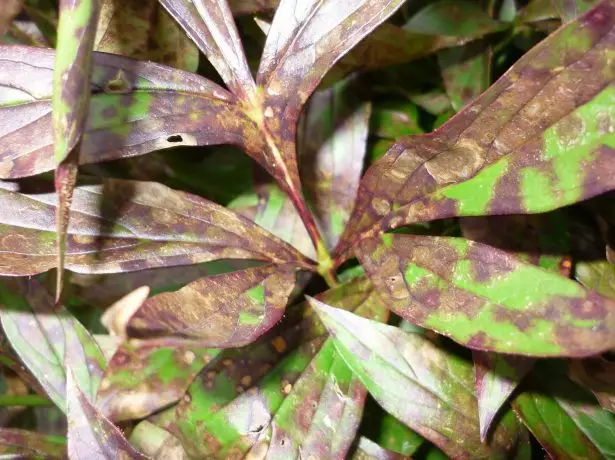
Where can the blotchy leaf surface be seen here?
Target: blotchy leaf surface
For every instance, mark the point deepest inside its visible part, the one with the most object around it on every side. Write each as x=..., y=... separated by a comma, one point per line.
x=137, y=107
x=485, y=298
x=120, y=226
x=223, y=311
x=506, y=153
x=286, y=392
x=142, y=29
x=146, y=375
x=210, y=24
x=90, y=434
x=47, y=338
x=425, y=386
x=26, y=444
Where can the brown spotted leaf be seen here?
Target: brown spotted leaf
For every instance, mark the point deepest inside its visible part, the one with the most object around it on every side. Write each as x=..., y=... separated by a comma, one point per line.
x=144, y=376
x=485, y=298
x=210, y=24
x=223, y=311
x=422, y=384
x=137, y=107
x=26, y=444
x=506, y=153
x=90, y=435
x=286, y=393
x=142, y=29
x=47, y=338
x=118, y=226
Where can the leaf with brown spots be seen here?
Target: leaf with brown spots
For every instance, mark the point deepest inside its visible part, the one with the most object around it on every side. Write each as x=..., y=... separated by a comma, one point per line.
x=564, y=417
x=223, y=311
x=486, y=299
x=90, y=434
x=119, y=226
x=287, y=393
x=16, y=443
x=424, y=385
x=505, y=153
x=47, y=338
x=209, y=23
x=136, y=107
x=144, y=376
x=142, y=29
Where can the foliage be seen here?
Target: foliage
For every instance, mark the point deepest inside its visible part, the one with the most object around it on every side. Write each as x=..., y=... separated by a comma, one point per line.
x=415, y=258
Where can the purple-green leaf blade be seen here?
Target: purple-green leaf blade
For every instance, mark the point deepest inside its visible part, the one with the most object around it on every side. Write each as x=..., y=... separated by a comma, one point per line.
x=17, y=443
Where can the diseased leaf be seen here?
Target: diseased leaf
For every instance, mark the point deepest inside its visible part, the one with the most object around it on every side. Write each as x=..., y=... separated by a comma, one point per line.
x=156, y=442
x=286, y=392
x=118, y=226
x=146, y=375
x=598, y=376
x=137, y=107
x=454, y=18
x=47, y=338
x=90, y=434
x=144, y=30
x=223, y=311
x=369, y=450
x=425, y=386
x=569, y=10
x=505, y=153
x=486, y=299
x=16, y=443
x=209, y=23
x=495, y=378
x=565, y=419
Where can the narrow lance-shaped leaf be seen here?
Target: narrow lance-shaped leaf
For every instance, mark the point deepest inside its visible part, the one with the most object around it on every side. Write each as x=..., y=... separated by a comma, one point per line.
x=485, y=298
x=425, y=386
x=48, y=338
x=504, y=154
x=286, y=393
x=152, y=226
x=90, y=434
x=27, y=444
x=228, y=310
x=210, y=24
x=142, y=29
x=137, y=107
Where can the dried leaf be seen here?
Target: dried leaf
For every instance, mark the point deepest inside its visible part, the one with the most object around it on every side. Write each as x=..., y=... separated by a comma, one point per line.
x=565, y=419
x=505, y=153
x=47, y=337
x=144, y=30
x=427, y=387
x=228, y=310
x=486, y=299
x=120, y=226
x=146, y=375
x=209, y=23
x=286, y=392
x=15, y=443
x=90, y=434
x=137, y=107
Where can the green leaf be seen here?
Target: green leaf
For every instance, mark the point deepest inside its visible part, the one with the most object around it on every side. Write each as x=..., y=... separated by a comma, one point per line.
x=486, y=299
x=394, y=119
x=505, y=153
x=119, y=226
x=565, y=418
x=598, y=275
x=89, y=432
x=223, y=311
x=146, y=375
x=47, y=339
x=425, y=386
x=286, y=392
x=15, y=443
x=569, y=10
x=144, y=30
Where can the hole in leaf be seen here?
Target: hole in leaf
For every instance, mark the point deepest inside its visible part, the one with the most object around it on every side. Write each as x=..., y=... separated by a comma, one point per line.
x=175, y=138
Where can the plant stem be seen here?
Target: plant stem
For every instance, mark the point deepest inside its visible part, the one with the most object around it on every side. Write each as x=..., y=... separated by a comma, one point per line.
x=24, y=400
